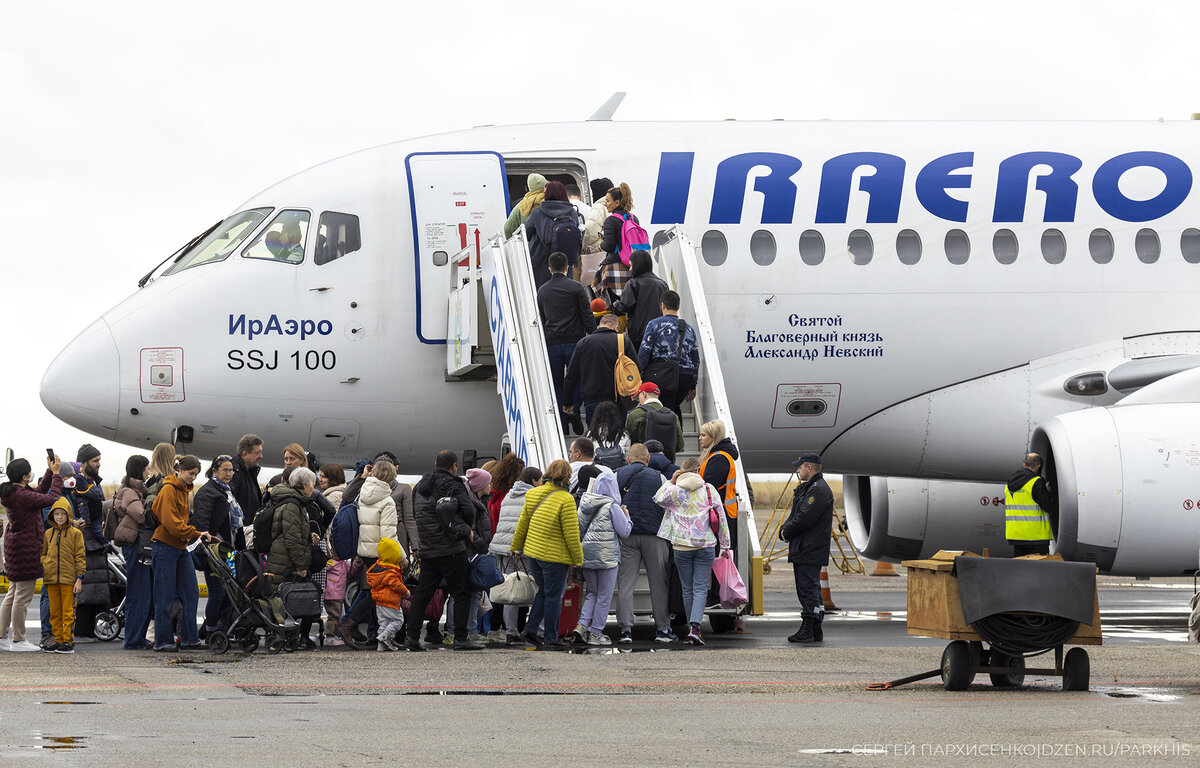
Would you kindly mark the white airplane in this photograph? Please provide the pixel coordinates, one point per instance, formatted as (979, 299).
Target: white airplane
(919, 302)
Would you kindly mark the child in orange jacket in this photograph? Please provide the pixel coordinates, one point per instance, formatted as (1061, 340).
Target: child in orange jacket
(386, 577)
(63, 563)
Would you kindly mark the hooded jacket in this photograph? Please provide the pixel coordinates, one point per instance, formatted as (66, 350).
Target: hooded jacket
(549, 527)
(808, 525)
(386, 575)
(638, 484)
(591, 367)
(63, 556)
(641, 300)
(538, 229)
(523, 210)
(23, 535)
(171, 510)
(506, 523)
(442, 536)
(129, 504)
(291, 539)
(376, 516)
(686, 523)
(601, 526)
(1041, 492)
(716, 471)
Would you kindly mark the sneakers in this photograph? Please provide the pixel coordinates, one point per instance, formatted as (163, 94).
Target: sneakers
(598, 638)
(580, 634)
(49, 647)
(386, 645)
(64, 648)
(693, 635)
(513, 639)
(23, 647)
(5, 643)
(626, 637)
(466, 645)
(333, 640)
(447, 640)
(665, 636)
(475, 637)
(496, 636)
(531, 638)
(557, 644)
(412, 644)
(166, 648)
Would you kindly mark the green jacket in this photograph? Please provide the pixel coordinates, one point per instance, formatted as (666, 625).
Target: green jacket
(291, 539)
(635, 424)
(549, 531)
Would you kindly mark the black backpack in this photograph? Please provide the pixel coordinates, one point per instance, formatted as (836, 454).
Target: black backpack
(264, 523)
(565, 236)
(609, 455)
(661, 425)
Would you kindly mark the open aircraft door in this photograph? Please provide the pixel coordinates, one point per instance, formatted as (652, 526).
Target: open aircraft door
(458, 200)
(675, 262)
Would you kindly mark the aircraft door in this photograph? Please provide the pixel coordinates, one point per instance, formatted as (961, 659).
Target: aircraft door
(458, 200)
(334, 440)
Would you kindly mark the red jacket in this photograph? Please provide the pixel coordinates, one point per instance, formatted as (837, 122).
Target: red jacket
(493, 506)
(26, 527)
(387, 584)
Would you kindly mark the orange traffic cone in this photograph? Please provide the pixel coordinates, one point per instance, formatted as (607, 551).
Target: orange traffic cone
(884, 569)
(826, 596)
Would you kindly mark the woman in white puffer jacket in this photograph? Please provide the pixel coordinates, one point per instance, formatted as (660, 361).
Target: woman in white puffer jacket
(376, 510)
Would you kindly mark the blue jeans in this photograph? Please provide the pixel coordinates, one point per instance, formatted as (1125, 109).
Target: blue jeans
(695, 570)
(139, 598)
(560, 357)
(551, 579)
(174, 574)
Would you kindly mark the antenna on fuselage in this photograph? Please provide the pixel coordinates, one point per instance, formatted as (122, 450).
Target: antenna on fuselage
(609, 107)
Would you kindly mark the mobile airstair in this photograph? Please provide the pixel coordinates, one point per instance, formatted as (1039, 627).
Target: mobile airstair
(495, 331)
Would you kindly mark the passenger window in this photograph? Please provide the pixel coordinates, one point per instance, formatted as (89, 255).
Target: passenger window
(762, 247)
(1147, 246)
(1005, 246)
(282, 240)
(1189, 243)
(812, 247)
(958, 247)
(861, 247)
(908, 247)
(337, 235)
(714, 248)
(222, 240)
(1100, 245)
(1054, 246)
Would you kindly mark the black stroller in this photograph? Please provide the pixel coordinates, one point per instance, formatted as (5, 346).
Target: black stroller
(111, 621)
(259, 616)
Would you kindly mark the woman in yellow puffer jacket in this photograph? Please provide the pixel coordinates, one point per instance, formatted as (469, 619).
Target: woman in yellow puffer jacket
(548, 535)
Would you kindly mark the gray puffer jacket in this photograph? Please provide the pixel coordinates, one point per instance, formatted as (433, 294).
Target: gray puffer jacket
(601, 550)
(510, 513)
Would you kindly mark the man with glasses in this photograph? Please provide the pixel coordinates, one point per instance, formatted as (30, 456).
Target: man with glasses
(244, 485)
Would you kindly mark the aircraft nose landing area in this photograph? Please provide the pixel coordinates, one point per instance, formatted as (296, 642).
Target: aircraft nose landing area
(82, 385)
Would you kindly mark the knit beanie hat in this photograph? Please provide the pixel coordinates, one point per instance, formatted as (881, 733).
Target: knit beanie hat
(600, 188)
(599, 305)
(390, 552)
(87, 452)
(535, 182)
(478, 480)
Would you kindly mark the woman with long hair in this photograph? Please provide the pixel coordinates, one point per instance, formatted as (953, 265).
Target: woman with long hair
(613, 273)
(505, 474)
(217, 512)
(174, 570)
(23, 538)
(129, 503)
(607, 431)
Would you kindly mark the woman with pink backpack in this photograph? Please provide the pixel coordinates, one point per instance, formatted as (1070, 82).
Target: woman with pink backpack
(622, 234)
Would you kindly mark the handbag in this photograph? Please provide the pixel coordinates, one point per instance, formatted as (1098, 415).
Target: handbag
(518, 587)
(484, 573)
(412, 574)
(433, 609)
(733, 589)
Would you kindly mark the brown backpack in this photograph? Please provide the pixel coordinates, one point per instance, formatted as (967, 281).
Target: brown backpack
(626, 377)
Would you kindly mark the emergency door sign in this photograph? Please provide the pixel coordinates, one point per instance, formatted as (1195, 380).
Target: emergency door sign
(161, 376)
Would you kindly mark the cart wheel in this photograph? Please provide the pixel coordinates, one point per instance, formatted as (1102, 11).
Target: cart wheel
(218, 641)
(1016, 670)
(250, 644)
(275, 646)
(1076, 669)
(108, 626)
(957, 672)
(722, 622)
(291, 644)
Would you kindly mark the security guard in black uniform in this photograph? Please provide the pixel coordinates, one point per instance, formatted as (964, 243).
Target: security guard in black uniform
(806, 531)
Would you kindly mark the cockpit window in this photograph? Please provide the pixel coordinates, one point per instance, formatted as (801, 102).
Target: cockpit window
(337, 235)
(283, 240)
(222, 241)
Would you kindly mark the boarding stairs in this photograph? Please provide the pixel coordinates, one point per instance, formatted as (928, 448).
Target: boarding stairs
(495, 331)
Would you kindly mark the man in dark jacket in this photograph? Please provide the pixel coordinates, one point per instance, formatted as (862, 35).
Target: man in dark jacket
(659, 460)
(445, 519)
(566, 318)
(806, 531)
(641, 300)
(555, 211)
(663, 351)
(244, 485)
(591, 367)
(1030, 510)
(638, 484)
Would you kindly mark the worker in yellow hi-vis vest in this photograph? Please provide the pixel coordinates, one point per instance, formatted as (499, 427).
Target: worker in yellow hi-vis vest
(1030, 508)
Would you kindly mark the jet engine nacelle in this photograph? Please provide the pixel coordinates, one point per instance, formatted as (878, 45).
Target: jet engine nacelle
(1128, 485)
(893, 518)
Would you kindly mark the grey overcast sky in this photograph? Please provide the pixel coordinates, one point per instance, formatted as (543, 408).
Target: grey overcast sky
(128, 127)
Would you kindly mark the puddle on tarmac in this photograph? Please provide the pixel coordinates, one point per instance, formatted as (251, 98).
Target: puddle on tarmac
(1149, 694)
(494, 693)
(60, 703)
(60, 742)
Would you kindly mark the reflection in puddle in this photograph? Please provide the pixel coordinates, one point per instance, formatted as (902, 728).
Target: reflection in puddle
(61, 742)
(1149, 694)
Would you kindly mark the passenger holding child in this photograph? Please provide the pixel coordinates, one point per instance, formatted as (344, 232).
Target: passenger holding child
(63, 565)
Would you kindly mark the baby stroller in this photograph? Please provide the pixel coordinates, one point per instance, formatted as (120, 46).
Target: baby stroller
(258, 613)
(111, 621)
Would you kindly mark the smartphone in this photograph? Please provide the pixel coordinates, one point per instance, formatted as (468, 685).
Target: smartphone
(50, 454)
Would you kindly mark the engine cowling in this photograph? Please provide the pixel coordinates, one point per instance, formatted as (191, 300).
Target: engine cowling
(1128, 484)
(894, 519)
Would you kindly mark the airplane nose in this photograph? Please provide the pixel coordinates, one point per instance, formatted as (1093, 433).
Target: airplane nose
(82, 385)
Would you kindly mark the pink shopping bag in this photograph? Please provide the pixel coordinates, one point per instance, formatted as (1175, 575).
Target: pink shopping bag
(733, 589)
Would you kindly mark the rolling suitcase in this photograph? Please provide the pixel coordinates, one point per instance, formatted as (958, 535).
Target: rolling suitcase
(572, 606)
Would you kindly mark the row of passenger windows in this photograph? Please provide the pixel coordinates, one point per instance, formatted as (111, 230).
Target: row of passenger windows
(956, 246)
(283, 240)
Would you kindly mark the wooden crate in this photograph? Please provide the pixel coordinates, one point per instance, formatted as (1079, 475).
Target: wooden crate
(935, 608)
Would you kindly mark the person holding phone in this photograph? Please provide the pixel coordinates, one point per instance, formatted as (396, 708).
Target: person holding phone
(23, 544)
